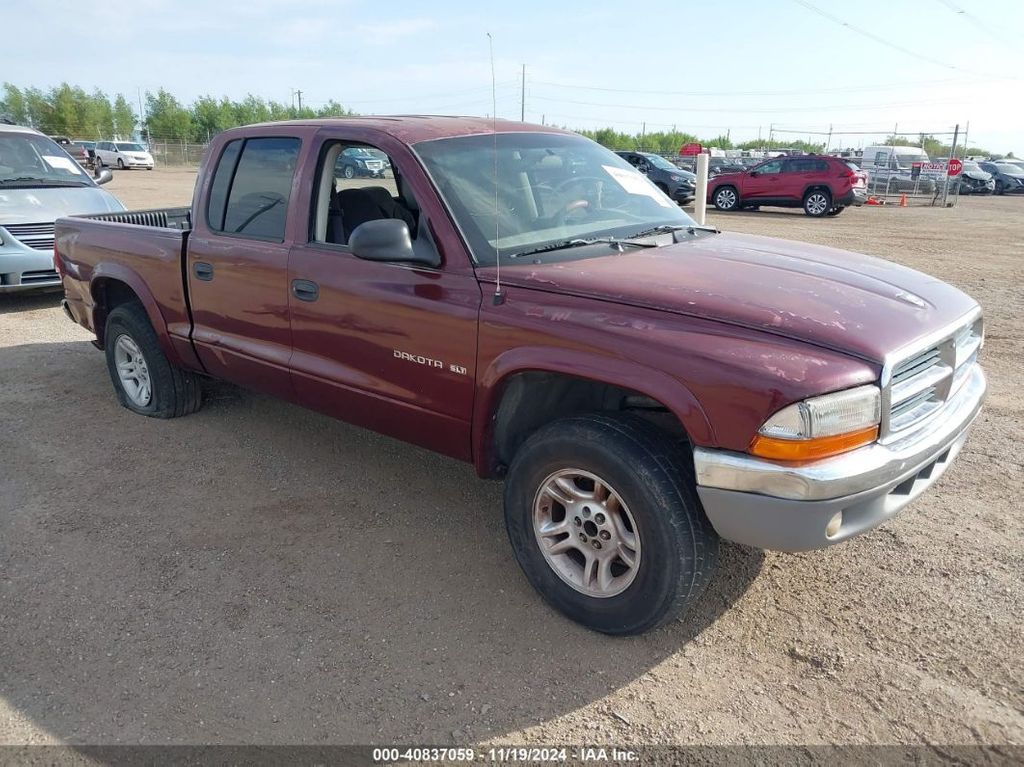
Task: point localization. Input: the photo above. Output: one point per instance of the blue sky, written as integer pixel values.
(706, 67)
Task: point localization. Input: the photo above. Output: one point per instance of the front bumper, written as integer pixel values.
(24, 268)
(785, 507)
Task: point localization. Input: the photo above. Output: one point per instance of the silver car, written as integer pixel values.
(39, 183)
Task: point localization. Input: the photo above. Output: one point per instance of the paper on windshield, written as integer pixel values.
(63, 163)
(634, 183)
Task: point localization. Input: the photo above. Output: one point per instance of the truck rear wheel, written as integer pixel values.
(144, 380)
(603, 517)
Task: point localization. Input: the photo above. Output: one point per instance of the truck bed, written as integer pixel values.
(161, 218)
(140, 250)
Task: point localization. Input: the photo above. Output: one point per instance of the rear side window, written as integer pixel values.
(251, 187)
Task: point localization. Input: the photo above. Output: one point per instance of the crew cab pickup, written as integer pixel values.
(523, 299)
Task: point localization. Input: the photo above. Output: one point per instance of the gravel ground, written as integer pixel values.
(258, 573)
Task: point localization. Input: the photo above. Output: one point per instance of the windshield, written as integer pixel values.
(130, 147)
(550, 188)
(973, 167)
(1009, 167)
(30, 160)
(660, 162)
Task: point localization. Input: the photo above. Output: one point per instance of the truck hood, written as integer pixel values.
(833, 298)
(46, 204)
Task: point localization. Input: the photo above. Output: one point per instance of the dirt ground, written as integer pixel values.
(258, 573)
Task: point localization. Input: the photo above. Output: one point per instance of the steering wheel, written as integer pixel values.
(568, 209)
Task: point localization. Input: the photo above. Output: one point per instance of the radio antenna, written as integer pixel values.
(497, 299)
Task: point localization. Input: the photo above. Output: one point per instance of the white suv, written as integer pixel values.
(123, 155)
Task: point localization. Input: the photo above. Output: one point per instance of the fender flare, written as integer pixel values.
(120, 273)
(617, 371)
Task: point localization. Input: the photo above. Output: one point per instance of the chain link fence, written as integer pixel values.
(176, 152)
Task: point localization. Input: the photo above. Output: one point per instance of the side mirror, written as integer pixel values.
(103, 176)
(387, 239)
(754, 174)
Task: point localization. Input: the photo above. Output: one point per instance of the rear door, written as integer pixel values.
(238, 265)
(798, 174)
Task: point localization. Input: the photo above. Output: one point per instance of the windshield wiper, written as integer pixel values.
(579, 242)
(667, 228)
(40, 181)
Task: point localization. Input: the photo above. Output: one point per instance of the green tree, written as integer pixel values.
(166, 118)
(122, 117)
(14, 106)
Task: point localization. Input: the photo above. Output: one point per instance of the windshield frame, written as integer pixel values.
(482, 254)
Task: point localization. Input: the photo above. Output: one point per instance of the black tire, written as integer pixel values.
(726, 198)
(97, 163)
(120, 164)
(653, 475)
(348, 172)
(174, 392)
(817, 203)
(836, 210)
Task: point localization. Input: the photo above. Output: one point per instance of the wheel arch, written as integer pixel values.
(817, 187)
(525, 389)
(114, 285)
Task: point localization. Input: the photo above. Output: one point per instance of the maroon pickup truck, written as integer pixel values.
(521, 298)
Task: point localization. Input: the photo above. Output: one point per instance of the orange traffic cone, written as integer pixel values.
(903, 201)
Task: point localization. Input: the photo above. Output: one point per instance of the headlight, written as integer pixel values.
(821, 426)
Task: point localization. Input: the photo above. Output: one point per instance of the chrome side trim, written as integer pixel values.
(859, 470)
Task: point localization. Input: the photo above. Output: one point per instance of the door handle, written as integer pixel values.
(202, 271)
(305, 290)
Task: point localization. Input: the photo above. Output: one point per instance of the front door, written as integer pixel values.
(388, 346)
(763, 182)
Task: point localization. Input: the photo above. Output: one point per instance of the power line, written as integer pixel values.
(797, 92)
(747, 110)
(979, 24)
(880, 40)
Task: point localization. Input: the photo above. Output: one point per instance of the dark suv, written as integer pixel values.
(676, 183)
(821, 185)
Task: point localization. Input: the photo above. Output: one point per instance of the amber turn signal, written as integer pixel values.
(810, 449)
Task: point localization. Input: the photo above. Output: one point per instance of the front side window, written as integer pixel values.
(519, 191)
(256, 186)
(775, 166)
(359, 183)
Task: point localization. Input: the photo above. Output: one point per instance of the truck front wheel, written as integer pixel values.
(603, 517)
(144, 380)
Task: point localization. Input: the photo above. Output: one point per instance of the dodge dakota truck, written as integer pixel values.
(523, 299)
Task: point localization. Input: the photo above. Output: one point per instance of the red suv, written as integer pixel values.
(822, 186)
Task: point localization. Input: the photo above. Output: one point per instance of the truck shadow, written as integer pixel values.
(258, 573)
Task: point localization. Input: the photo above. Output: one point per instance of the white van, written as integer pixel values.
(892, 157)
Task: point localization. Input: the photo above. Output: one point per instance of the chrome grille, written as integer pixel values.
(37, 236)
(925, 380)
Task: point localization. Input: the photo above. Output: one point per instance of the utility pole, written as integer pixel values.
(142, 116)
(522, 98)
(299, 94)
